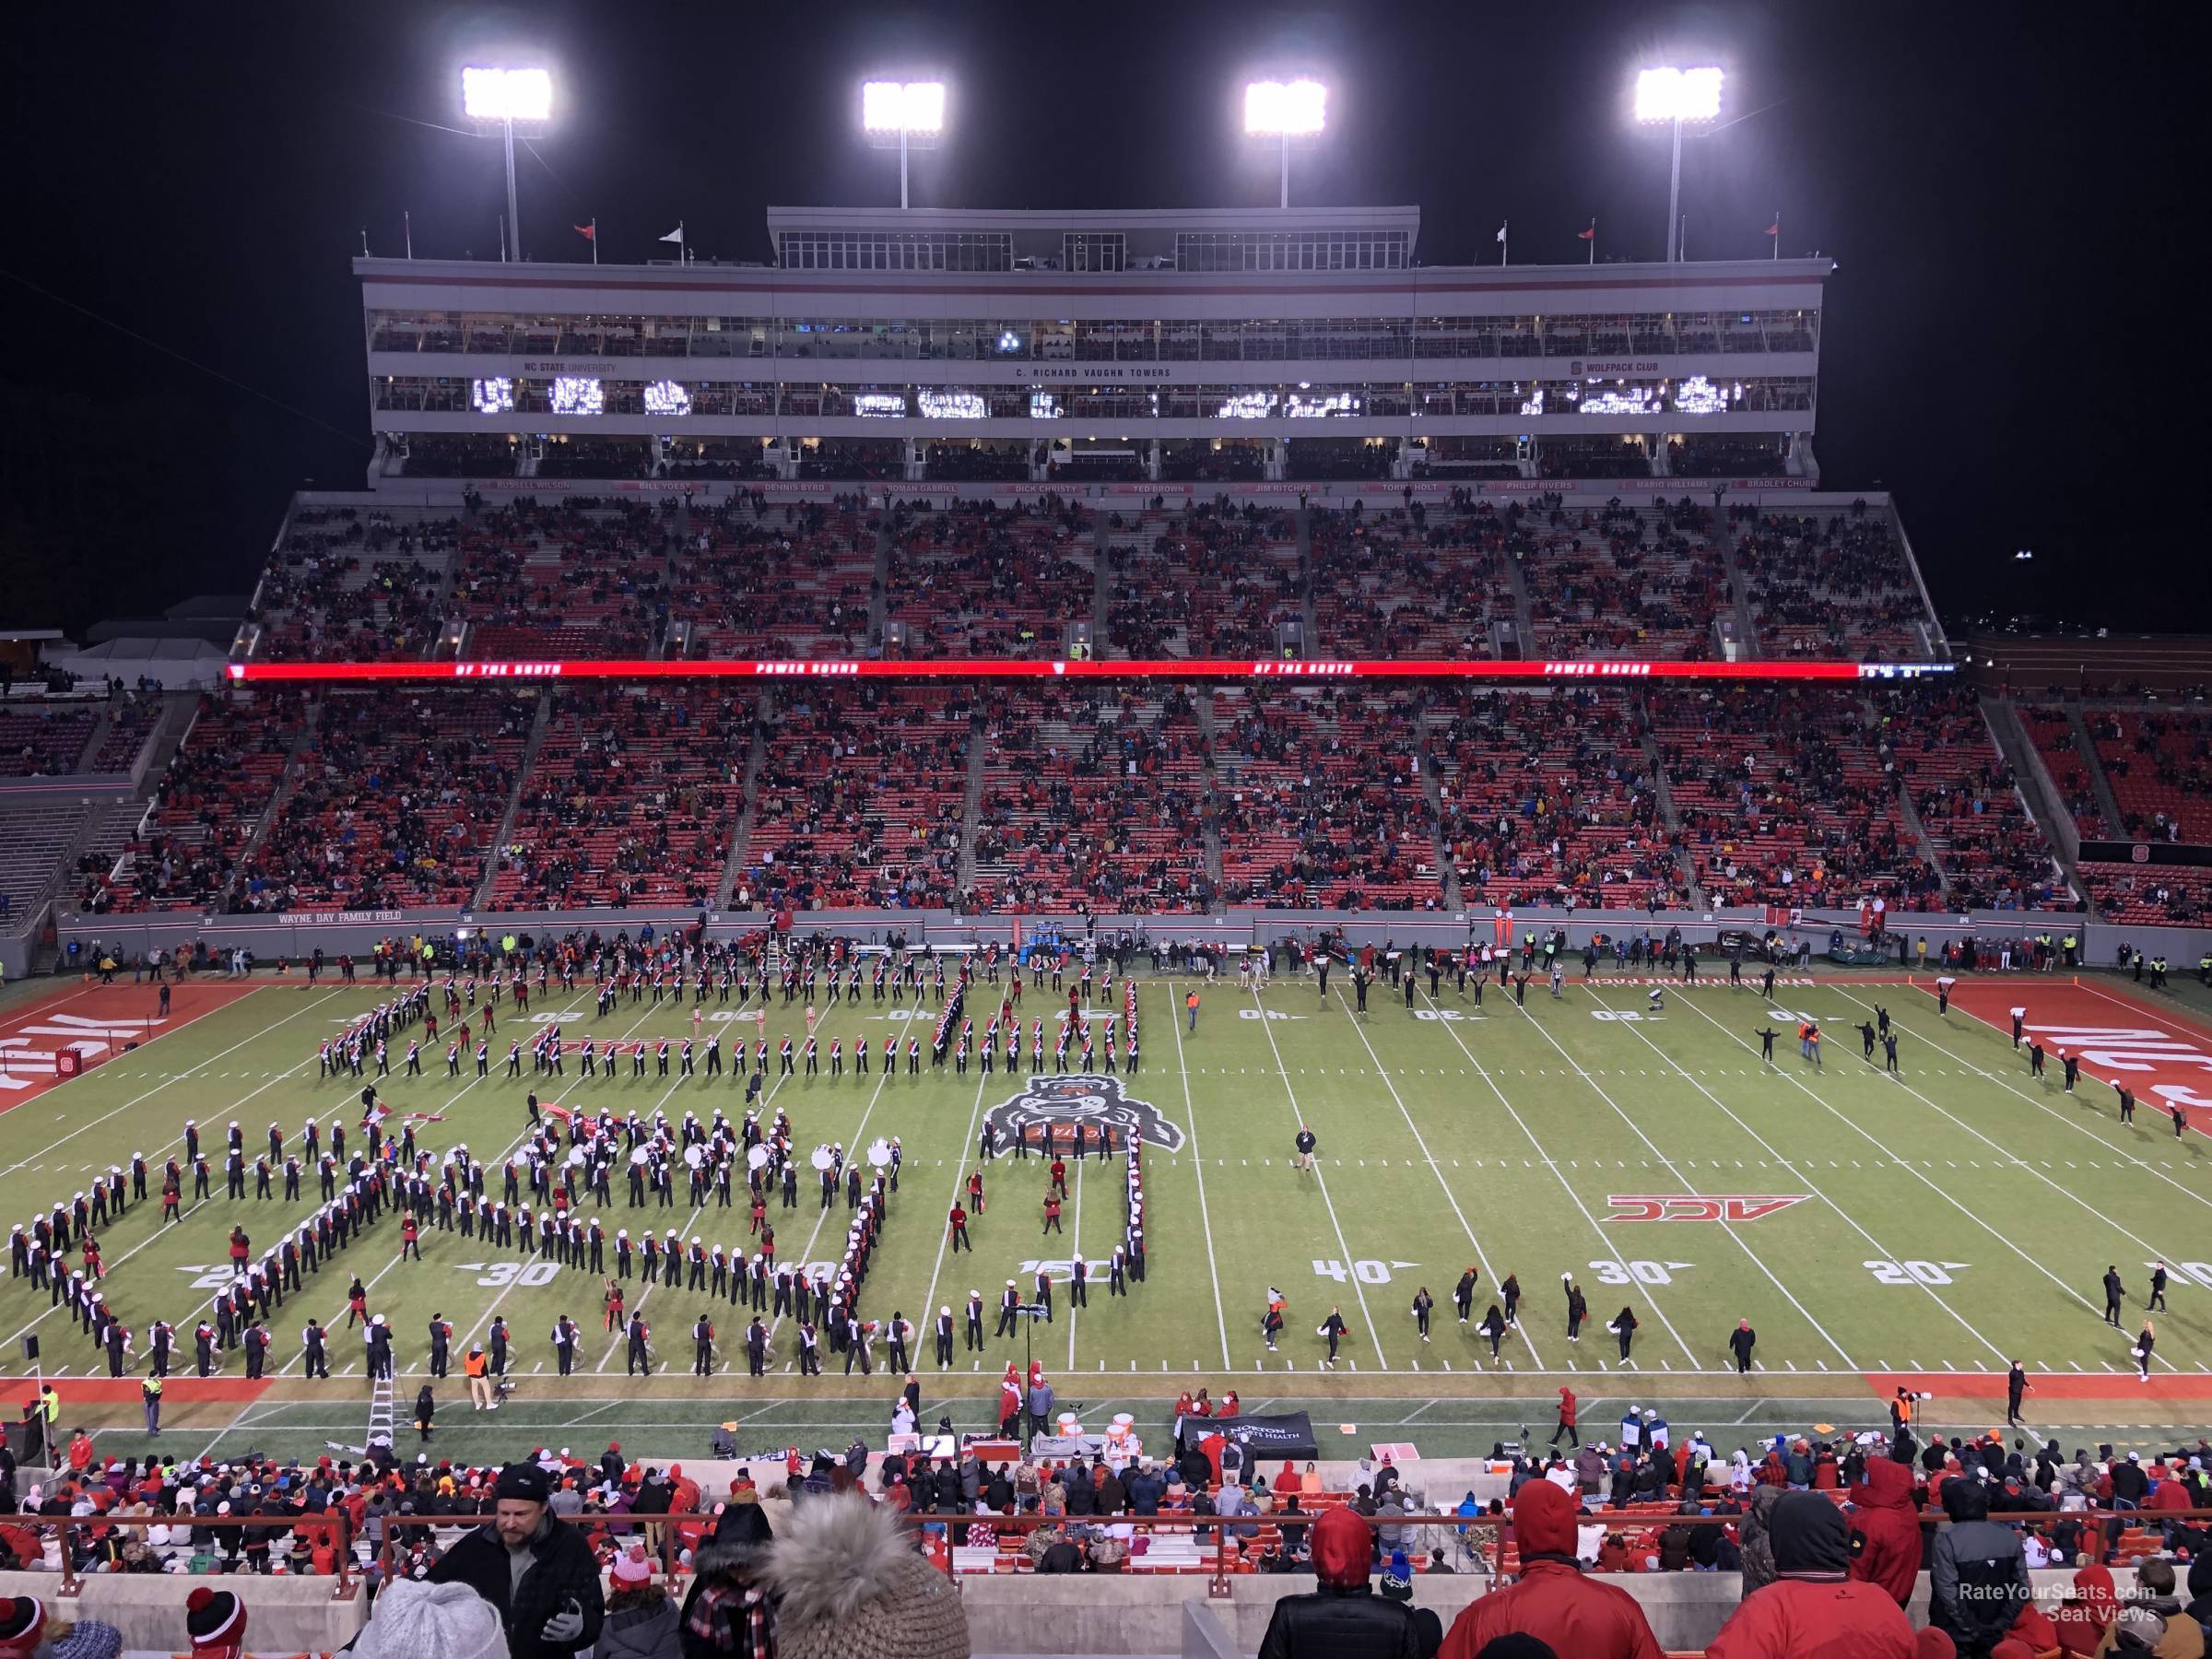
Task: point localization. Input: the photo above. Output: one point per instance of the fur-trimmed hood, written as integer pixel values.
(849, 1581)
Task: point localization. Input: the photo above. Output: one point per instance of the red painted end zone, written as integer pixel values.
(2193, 1386)
(98, 1022)
(2163, 1057)
(123, 1391)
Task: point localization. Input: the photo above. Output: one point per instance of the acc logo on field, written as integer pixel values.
(1085, 1098)
(1698, 1207)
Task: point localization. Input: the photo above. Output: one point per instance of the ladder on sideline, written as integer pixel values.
(382, 1419)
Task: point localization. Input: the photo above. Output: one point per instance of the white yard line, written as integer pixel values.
(180, 1076)
(1750, 1254)
(960, 1166)
(1845, 1216)
(2043, 1106)
(1892, 1160)
(1434, 1168)
(1374, 1330)
(1612, 1250)
(1190, 1113)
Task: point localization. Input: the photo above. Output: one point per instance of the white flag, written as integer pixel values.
(675, 236)
(1502, 233)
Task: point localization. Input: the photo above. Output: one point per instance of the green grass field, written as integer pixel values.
(1945, 1220)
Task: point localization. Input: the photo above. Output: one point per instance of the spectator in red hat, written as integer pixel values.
(1341, 1619)
(1552, 1600)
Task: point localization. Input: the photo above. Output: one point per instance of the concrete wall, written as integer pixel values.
(1102, 1613)
(283, 1614)
(1128, 1613)
(271, 937)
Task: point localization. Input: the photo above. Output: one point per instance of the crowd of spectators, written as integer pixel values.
(580, 576)
(1550, 800)
(2052, 734)
(1830, 584)
(632, 798)
(1090, 799)
(1411, 582)
(975, 580)
(861, 798)
(2159, 766)
(397, 800)
(42, 739)
(1624, 580)
(1319, 801)
(346, 585)
(210, 800)
(1993, 855)
(794, 579)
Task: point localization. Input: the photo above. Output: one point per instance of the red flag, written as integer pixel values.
(589, 232)
(1774, 228)
(1589, 235)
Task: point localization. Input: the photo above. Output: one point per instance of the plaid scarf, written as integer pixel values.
(734, 1621)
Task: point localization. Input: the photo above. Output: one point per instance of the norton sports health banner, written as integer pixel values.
(1288, 1434)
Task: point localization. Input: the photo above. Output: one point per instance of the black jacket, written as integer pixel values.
(564, 1566)
(1341, 1624)
(1978, 1576)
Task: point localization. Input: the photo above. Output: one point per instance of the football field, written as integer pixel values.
(1935, 1223)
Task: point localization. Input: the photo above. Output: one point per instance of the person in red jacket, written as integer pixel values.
(1566, 1422)
(1552, 1600)
(1812, 1610)
(1884, 1528)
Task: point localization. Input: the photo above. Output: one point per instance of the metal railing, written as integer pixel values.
(664, 1535)
(72, 1534)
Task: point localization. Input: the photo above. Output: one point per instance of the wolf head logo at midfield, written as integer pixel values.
(1062, 1103)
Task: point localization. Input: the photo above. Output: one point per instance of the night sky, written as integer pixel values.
(2006, 200)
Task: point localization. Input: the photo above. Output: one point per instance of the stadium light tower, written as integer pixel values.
(902, 115)
(501, 97)
(1285, 110)
(1675, 95)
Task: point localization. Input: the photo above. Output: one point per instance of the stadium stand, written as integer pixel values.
(1784, 800)
(1091, 800)
(1548, 798)
(44, 739)
(773, 582)
(863, 798)
(1406, 582)
(210, 802)
(979, 581)
(397, 801)
(584, 578)
(1993, 855)
(1833, 586)
(632, 798)
(1319, 800)
(345, 585)
(2159, 766)
(2052, 734)
(1625, 580)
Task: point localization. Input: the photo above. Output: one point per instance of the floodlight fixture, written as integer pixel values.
(1283, 111)
(1675, 95)
(906, 115)
(503, 97)
(507, 94)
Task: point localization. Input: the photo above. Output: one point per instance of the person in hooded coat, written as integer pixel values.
(1885, 1528)
(1978, 1577)
(2088, 1613)
(1342, 1619)
(1552, 1600)
(728, 1612)
(1812, 1610)
(1758, 1546)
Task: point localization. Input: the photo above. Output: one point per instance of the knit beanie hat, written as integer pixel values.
(417, 1620)
(1397, 1582)
(1342, 1548)
(215, 1619)
(89, 1639)
(525, 1482)
(2137, 1630)
(22, 1623)
(851, 1586)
